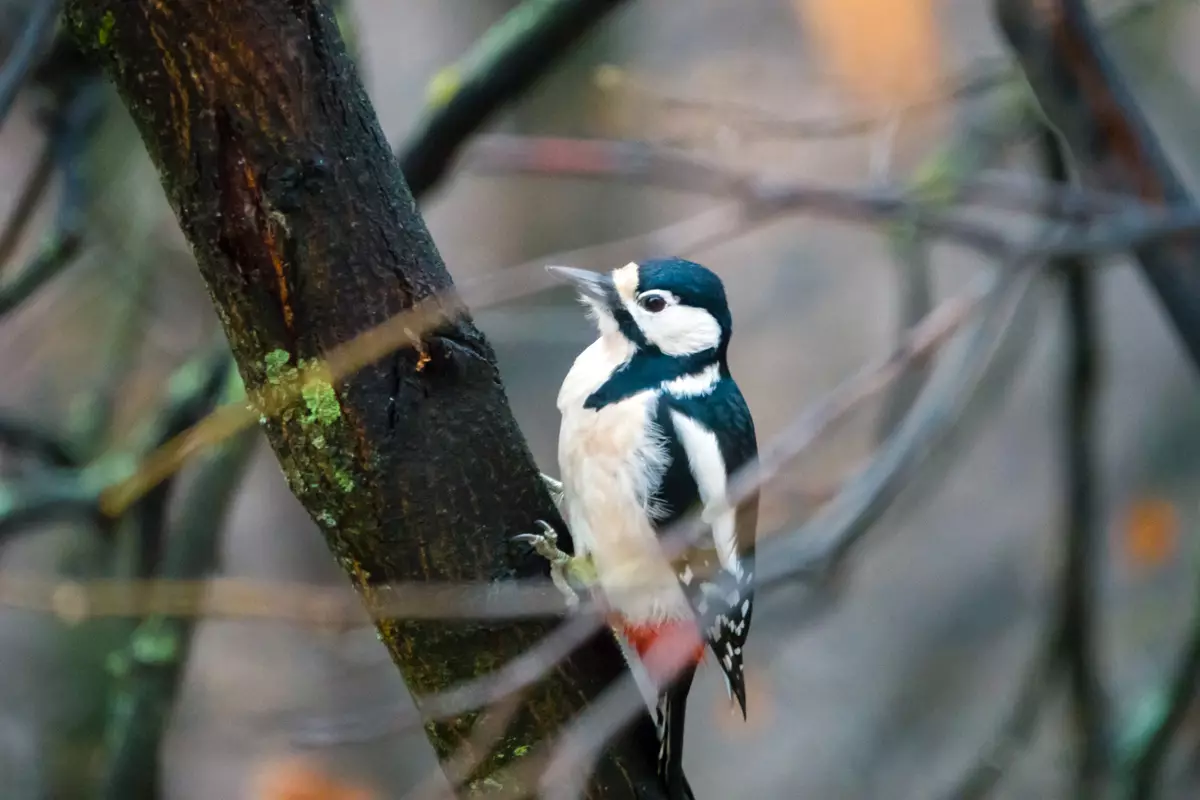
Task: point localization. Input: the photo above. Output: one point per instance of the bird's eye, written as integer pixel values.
(653, 303)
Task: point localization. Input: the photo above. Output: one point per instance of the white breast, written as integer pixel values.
(611, 460)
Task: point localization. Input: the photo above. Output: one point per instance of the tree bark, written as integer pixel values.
(306, 235)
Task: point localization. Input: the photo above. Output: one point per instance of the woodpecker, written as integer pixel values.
(653, 425)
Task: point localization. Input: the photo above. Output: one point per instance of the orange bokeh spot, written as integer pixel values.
(1150, 532)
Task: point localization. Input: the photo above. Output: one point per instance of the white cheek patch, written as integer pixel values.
(678, 330)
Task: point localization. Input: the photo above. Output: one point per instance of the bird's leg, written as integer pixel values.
(555, 488)
(562, 565)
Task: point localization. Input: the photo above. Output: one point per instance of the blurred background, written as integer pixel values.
(891, 689)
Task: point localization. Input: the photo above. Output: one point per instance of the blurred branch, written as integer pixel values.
(31, 194)
(817, 547)
(26, 436)
(766, 195)
(23, 57)
(754, 122)
(150, 671)
(75, 493)
(502, 66)
(1111, 144)
(69, 134)
(46, 497)
(1152, 745)
(982, 138)
(1017, 728)
(1077, 626)
(191, 394)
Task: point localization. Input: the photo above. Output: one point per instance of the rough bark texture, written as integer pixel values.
(306, 234)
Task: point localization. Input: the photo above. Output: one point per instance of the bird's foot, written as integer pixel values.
(562, 565)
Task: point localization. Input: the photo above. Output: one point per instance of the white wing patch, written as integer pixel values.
(708, 470)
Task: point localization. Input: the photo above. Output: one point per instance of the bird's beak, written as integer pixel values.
(595, 285)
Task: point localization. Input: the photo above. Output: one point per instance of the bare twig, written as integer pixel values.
(515, 676)
(822, 542)
(25, 51)
(650, 164)
(941, 178)
(1077, 625)
(332, 608)
(500, 67)
(1018, 726)
(754, 122)
(1150, 751)
(70, 134)
(31, 194)
(79, 492)
(28, 437)
(470, 755)
(152, 667)
(46, 497)
(1092, 109)
(191, 394)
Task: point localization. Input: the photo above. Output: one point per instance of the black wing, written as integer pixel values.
(723, 601)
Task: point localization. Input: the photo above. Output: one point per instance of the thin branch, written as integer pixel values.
(48, 497)
(515, 676)
(1112, 144)
(457, 770)
(191, 394)
(1150, 753)
(1014, 733)
(28, 437)
(152, 668)
(26, 49)
(756, 123)
(330, 608)
(70, 134)
(76, 493)
(119, 353)
(982, 138)
(510, 58)
(32, 192)
(649, 164)
(821, 543)
(1078, 626)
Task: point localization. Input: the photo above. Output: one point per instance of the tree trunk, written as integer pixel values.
(307, 235)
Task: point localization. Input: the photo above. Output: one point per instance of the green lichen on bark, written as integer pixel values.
(106, 26)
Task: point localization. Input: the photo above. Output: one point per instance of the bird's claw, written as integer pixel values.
(545, 544)
(555, 488)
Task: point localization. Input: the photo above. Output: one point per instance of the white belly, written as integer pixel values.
(610, 461)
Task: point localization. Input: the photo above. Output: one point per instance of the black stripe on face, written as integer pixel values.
(629, 329)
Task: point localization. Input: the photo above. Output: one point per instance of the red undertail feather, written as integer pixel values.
(659, 645)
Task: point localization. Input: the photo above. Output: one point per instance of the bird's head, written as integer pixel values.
(668, 305)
